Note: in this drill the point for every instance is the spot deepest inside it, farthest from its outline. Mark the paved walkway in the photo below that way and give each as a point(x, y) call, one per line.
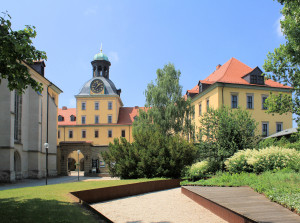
point(246, 202)
point(51, 181)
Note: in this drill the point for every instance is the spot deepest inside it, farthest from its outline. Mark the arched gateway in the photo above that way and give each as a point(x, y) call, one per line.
point(90, 161)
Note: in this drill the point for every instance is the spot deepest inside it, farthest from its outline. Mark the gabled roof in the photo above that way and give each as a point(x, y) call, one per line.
point(233, 72)
point(66, 113)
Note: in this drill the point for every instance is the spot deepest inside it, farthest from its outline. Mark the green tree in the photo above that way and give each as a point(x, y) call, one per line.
point(16, 47)
point(225, 131)
point(159, 148)
point(283, 65)
point(169, 110)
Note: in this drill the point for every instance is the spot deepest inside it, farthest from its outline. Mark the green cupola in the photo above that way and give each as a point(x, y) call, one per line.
point(101, 65)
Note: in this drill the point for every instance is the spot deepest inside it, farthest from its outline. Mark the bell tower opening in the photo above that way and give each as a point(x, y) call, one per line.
point(101, 65)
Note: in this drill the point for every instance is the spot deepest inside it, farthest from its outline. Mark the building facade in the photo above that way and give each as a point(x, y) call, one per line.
point(28, 121)
point(98, 118)
point(234, 84)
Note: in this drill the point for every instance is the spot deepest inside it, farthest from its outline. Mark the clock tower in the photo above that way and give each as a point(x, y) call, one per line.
point(98, 101)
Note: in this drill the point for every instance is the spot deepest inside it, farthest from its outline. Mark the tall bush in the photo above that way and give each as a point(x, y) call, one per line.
point(223, 132)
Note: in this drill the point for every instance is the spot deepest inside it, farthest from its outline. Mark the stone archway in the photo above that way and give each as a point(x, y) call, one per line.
point(17, 165)
point(66, 148)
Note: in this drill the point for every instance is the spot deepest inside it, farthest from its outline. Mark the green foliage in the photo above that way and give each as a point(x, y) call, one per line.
point(169, 110)
point(258, 161)
point(283, 65)
point(280, 186)
point(150, 155)
point(198, 171)
point(223, 132)
point(159, 149)
point(16, 47)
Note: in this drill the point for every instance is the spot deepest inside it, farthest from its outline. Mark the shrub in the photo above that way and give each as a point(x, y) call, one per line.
point(151, 155)
point(238, 162)
point(198, 171)
point(271, 158)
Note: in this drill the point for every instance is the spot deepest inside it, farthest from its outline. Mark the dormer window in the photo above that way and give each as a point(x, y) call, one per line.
point(72, 118)
point(255, 77)
point(60, 118)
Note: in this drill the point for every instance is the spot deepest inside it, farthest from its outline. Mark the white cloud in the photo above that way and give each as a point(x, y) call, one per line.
point(72, 103)
point(278, 26)
point(114, 56)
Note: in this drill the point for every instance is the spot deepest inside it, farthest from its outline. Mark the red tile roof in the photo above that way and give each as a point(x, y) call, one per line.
point(233, 72)
point(127, 114)
point(66, 113)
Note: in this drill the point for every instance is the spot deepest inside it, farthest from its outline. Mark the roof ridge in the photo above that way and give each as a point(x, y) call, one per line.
point(230, 61)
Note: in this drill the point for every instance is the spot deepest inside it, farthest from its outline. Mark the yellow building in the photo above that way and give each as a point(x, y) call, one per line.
point(98, 118)
point(234, 84)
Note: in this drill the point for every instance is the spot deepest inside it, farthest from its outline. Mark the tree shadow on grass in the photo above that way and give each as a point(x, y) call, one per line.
point(39, 210)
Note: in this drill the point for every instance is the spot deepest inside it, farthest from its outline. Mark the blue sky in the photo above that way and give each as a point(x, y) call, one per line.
point(141, 36)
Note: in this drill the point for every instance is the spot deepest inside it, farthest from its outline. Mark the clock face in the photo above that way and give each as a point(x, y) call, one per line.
point(97, 86)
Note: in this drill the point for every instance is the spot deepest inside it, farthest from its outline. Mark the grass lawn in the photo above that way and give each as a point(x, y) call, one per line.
point(282, 187)
point(50, 203)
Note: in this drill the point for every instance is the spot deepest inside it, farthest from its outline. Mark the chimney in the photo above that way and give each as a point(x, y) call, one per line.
point(136, 107)
point(218, 66)
point(64, 108)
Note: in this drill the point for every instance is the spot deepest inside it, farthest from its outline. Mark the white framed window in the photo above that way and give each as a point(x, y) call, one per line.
point(123, 133)
point(279, 126)
point(96, 133)
point(265, 129)
point(83, 133)
point(109, 133)
point(109, 119)
point(70, 134)
point(110, 105)
point(96, 105)
point(96, 119)
point(83, 119)
point(250, 101)
point(263, 100)
point(83, 105)
point(234, 100)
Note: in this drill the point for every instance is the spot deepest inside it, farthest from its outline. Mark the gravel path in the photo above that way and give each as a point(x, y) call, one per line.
point(164, 206)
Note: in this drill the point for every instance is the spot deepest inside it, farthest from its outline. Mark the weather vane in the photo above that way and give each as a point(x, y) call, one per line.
point(101, 48)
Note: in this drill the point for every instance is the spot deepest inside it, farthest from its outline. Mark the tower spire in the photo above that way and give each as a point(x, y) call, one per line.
point(101, 48)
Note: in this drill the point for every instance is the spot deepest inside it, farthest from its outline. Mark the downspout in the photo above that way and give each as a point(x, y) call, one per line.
point(129, 133)
point(47, 138)
point(223, 95)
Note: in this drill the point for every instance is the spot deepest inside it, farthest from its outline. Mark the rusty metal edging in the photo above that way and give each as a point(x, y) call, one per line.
point(222, 212)
point(115, 192)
